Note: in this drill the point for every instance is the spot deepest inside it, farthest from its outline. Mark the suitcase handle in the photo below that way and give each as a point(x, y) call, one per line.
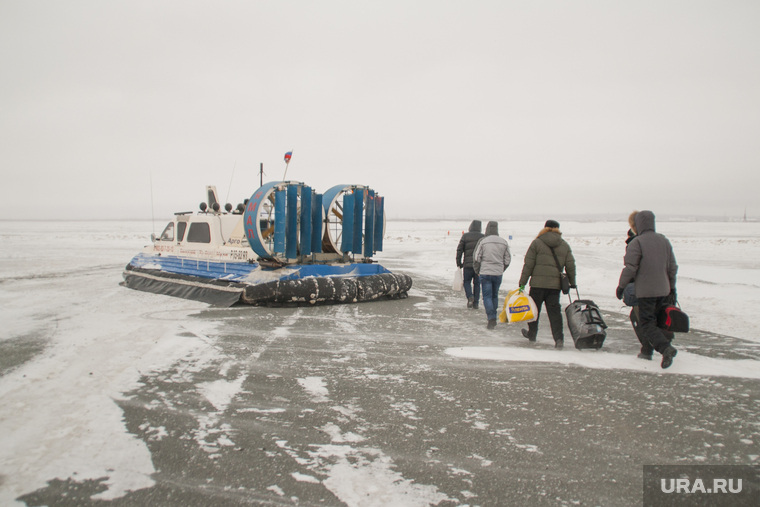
point(577, 294)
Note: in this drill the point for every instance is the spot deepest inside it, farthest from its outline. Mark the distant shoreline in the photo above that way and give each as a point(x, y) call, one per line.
point(580, 218)
point(516, 218)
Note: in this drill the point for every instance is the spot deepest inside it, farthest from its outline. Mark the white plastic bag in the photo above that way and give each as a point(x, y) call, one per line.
point(458, 280)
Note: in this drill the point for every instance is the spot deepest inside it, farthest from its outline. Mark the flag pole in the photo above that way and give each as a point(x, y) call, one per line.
point(287, 162)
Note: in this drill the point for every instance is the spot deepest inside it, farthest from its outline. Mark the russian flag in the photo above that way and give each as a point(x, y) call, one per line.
point(287, 156)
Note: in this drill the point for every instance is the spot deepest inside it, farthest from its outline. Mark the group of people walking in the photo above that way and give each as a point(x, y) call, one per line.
point(649, 261)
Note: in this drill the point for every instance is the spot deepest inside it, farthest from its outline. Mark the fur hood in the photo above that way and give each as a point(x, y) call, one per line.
point(549, 229)
point(552, 236)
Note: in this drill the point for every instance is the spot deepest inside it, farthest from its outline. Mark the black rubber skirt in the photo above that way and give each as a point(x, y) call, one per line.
point(303, 291)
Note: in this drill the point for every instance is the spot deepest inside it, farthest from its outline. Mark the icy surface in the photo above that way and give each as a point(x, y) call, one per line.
point(76, 344)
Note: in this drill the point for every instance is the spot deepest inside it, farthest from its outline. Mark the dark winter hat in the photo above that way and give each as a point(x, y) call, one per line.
point(552, 224)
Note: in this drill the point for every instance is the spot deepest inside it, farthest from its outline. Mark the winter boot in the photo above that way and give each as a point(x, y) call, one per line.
point(470, 302)
point(667, 356)
point(527, 335)
point(645, 356)
point(474, 304)
point(491, 324)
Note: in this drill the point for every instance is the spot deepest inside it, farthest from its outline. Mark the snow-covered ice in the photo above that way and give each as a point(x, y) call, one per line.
point(74, 343)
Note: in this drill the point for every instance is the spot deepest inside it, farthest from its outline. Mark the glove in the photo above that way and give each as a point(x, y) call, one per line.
point(573, 286)
point(460, 265)
point(522, 288)
point(619, 292)
point(672, 298)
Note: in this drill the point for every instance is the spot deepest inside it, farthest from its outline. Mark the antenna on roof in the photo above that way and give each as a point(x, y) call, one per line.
point(231, 176)
point(152, 214)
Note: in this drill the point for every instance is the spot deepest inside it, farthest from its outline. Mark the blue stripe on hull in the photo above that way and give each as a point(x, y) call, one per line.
point(241, 271)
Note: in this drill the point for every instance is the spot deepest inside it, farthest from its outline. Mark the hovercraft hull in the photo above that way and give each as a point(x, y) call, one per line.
point(229, 283)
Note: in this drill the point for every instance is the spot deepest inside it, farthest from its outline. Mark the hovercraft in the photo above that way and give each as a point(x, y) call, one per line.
point(286, 245)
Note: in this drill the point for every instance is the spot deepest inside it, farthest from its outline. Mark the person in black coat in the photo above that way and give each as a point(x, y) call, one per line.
point(465, 248)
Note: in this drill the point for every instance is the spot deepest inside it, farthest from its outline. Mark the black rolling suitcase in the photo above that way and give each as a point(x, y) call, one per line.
point(586, 324)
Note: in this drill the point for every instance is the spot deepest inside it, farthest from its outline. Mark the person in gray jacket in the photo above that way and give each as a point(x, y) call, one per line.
point(490, 259)
point(465, 249)
point(651, 264)
point(629, 297)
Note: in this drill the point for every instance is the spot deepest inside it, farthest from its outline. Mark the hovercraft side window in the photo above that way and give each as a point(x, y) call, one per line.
point(199, 233)
point(181, 227)
point(168, 234)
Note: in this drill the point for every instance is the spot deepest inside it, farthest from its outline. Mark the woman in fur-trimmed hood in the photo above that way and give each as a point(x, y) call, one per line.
point(541, 270)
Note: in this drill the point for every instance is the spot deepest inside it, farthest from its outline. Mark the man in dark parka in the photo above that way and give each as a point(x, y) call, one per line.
point(465, 248)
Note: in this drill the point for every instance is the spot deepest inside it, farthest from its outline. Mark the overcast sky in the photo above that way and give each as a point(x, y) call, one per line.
point(483, 109)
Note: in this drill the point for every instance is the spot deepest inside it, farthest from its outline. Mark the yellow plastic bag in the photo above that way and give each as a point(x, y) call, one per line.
point(518, 307)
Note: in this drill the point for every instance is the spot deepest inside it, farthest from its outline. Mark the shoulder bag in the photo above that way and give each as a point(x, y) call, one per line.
point(564, 280)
